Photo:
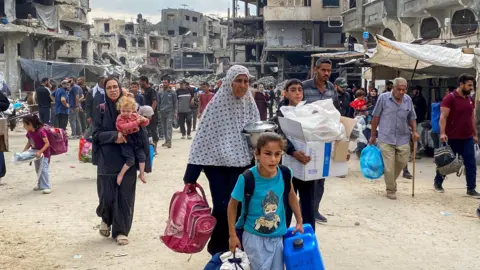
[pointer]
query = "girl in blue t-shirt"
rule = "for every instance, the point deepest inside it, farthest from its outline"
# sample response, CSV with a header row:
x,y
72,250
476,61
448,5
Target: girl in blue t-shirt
x,y
264,225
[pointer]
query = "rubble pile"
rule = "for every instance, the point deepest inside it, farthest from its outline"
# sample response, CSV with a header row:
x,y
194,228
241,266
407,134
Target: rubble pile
x,y
197,79
266,81
280,86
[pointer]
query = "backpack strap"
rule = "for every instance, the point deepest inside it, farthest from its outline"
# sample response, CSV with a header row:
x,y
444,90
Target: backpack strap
x,y
248,191
250,188
287,180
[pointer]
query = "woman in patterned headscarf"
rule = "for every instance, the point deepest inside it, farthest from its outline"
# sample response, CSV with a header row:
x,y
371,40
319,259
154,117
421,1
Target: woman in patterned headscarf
x,y
220,150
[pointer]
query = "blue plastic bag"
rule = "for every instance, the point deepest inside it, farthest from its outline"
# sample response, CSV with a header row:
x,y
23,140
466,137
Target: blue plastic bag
x,y
435,118
371,162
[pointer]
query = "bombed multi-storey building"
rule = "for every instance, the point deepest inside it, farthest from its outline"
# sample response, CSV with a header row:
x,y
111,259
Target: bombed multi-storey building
x,y
41,30
449,22
199,42
130,45
278,36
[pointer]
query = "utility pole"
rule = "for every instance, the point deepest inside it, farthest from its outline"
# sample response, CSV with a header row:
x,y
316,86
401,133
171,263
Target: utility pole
x,y
184,6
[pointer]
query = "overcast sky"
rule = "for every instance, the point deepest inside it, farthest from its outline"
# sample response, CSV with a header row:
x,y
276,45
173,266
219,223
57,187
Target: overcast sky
x,y
128,9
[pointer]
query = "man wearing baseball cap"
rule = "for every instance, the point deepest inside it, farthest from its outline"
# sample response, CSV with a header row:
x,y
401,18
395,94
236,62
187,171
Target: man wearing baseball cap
x,y
344,98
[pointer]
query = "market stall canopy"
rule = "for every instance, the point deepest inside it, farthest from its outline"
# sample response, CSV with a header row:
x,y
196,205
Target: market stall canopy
x,y
433,60
39,69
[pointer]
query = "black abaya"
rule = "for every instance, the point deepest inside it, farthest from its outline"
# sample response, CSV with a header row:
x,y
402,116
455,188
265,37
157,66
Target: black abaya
x,y
221,180
116,203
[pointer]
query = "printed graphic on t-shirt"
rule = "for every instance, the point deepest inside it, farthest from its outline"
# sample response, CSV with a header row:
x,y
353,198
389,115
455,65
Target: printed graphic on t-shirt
x,y
270,221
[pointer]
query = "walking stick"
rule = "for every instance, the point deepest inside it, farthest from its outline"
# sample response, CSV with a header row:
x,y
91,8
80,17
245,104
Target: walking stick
x,y
414,159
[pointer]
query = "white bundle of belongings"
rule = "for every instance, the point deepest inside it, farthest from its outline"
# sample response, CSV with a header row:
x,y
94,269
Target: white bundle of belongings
x,y
318,130
235,261
320,120
26,156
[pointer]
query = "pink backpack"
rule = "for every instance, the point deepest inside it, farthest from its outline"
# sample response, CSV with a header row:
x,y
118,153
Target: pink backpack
x,y
58,140
190,223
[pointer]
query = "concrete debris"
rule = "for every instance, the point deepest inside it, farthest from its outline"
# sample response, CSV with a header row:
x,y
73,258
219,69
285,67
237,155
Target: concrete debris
x,y
281,86
266,81
197,79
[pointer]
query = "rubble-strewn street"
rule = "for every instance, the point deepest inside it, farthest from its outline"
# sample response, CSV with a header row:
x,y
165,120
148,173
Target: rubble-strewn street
x,y
364,231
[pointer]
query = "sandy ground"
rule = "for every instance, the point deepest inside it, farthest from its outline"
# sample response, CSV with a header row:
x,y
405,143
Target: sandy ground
x,y
47,231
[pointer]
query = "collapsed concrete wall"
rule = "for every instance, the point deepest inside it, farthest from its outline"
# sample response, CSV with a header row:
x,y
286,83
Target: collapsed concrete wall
x,y
70,49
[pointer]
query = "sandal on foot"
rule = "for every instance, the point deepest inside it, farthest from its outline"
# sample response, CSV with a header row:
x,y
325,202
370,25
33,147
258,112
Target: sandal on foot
x,y
122,240
104,229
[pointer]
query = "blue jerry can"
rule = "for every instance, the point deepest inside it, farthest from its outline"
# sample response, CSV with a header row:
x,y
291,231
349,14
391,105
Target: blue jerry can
x,y
301,251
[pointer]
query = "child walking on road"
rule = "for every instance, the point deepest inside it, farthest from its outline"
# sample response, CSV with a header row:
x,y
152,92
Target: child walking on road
x,y
38,140
263,215
129,123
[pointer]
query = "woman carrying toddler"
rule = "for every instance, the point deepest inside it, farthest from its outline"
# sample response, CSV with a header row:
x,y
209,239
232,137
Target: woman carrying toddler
x,y
129,123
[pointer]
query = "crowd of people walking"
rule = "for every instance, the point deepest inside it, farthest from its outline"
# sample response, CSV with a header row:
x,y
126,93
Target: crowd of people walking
x,y
123,123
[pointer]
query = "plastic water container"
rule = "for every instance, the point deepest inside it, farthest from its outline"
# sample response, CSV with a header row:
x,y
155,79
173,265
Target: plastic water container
x,y
301,251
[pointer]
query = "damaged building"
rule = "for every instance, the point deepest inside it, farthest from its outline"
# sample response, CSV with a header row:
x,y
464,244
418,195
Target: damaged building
x,y
128,46
42,30
450,23
278,36
199,42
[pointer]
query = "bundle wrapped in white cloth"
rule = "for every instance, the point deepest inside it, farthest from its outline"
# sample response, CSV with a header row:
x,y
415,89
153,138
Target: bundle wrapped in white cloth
x,y
320,120
236,261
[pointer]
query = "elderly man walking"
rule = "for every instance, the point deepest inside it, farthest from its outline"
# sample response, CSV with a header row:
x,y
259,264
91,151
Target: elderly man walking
x,y
394,113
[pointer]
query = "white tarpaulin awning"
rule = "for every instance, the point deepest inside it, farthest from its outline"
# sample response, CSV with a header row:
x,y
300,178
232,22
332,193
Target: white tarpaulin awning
x,y
405,56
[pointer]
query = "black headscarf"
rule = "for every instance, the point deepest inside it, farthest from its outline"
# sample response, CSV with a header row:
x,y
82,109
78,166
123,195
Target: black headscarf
x,y
110,105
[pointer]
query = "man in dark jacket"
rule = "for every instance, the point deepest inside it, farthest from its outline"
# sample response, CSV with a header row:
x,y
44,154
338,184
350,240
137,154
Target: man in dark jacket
x,y
94,97
44,101
419,103
344,97
185,101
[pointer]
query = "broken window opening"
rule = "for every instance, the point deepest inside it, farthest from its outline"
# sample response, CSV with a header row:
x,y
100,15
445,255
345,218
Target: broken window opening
x,y
353,3
195,19
171,33
106,27
464,22
194,34
430,29
389,34
129,28
171,16
187,18
134,42
84,50
123,60
141,43
182,30
122,43
331,3
153,45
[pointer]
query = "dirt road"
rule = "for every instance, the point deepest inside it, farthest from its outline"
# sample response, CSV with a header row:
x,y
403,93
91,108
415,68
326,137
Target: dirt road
x,y
58,231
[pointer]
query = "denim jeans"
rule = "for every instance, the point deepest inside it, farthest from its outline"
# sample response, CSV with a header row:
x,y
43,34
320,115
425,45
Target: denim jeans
x,y
464,148
74,123
42,167
44,113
